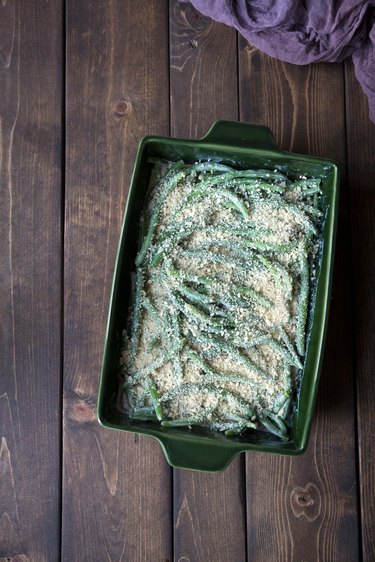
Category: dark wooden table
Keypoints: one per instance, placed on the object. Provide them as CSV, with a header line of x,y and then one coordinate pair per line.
x,y
80,84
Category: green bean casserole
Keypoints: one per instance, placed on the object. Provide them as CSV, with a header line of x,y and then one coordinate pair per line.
x,y
222,288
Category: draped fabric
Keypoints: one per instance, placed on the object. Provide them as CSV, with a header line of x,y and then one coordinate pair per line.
x,y
304,32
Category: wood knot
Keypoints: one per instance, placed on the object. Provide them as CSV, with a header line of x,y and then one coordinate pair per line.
x,y
304,499
82,412
250,49
306,502
193,19
121,107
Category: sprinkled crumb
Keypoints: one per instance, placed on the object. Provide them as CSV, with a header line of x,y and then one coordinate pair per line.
x,y
222,288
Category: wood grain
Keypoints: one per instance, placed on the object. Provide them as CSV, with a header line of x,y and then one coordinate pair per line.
x,y
116,502
209,508
117,489
30,264
203,71
361,150
306,508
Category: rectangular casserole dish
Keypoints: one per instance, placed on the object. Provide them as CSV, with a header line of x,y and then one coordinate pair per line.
x,y
246,145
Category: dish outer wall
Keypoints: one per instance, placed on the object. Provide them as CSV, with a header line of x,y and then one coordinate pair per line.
x,y
244,145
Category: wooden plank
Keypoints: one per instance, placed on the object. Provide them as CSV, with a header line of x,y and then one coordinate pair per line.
x,y
203,75
209,508
30,279
117,503
361,166
305,508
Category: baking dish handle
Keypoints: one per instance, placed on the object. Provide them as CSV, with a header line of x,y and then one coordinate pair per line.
x,y
243,135
197,456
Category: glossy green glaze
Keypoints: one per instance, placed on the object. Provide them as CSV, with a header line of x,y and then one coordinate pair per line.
x,y
236,144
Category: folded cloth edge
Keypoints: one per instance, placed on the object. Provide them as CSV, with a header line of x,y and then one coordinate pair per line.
x,y
302,45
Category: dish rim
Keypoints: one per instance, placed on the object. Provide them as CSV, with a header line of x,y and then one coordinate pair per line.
x,y
228,447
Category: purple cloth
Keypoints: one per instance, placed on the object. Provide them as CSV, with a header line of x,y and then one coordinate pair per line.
x,y
306,32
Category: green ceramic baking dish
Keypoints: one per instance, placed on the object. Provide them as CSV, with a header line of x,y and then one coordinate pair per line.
x,y
245,145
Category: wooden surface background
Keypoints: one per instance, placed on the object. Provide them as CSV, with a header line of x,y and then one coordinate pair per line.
x,y
80,84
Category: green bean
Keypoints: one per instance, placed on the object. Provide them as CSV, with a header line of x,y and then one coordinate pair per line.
x,y
304,220
311,191
156,401
302,302
268,246
157,319
290,348
175,232
260,339
201,301
254,185
145,417
163,329
143,414
233,432
194,295
161,189
177,343
162,249
176,340
153,366
277,271
291,358
202,254
261,174
199,193
280,401
141,234
233,302
241,421
236,201
191,310
195,388
248,237
147,240
253,295
206,300
273,429
285,407
153,343
128,387
182,422
233,353
279,422
169,186
124,339
247,230
243,245
180,277
212,376
137,300
211,167
311,210
307,184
